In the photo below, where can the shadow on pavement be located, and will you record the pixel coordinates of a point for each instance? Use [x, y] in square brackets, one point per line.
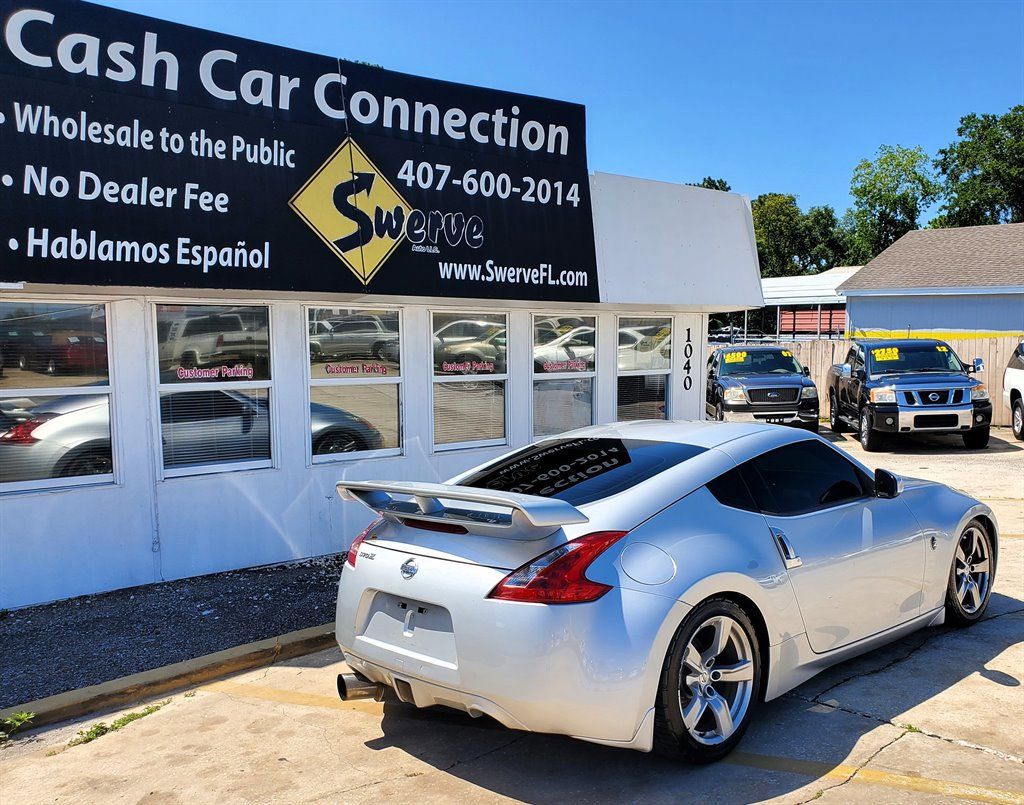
[792, 741]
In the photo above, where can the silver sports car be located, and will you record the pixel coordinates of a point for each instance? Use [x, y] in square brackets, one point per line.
[648, 584]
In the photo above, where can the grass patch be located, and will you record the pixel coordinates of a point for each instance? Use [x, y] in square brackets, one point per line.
[12, 724]
[911, 728]
[100, 728]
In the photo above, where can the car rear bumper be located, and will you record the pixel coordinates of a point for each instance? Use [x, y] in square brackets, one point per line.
[586, 670]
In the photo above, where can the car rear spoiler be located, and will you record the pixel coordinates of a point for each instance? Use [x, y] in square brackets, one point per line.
[529, 516]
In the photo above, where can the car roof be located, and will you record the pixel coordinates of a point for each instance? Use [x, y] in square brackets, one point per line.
[706, 434]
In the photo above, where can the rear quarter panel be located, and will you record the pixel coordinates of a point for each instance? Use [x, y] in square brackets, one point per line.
[943, 514]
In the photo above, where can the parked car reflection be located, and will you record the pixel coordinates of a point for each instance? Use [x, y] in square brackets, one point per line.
[470, 347]
[63, 437]
[226, 338]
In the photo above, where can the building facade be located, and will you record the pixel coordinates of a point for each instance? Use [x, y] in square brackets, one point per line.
[171, 409]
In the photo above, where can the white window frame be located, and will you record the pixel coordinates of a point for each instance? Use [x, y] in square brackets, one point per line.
[164, 472]
[646, 372]
[311, 383]
[535, 376]
[107, 478]
[436, 378]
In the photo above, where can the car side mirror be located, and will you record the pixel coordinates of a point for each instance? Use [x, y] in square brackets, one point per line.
[846, 370]
[807, 371]
[887, 484]
[978, 365]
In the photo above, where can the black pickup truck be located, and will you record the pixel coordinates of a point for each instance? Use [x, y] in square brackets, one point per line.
[916, 385]
[760, 384]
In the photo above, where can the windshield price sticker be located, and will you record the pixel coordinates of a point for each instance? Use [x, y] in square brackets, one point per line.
[735, 357]
[886, 354]
[787, 354]
[940, 348]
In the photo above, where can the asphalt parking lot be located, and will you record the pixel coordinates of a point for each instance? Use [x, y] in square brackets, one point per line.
[934, 717]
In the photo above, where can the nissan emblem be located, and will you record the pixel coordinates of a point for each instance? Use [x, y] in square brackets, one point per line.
[409, 568]
[934, 396]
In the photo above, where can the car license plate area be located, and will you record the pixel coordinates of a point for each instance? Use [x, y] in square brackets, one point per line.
[410, 627]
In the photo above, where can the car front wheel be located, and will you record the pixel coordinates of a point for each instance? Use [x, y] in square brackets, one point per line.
[870, 439]
[710, 684]
[970, 577]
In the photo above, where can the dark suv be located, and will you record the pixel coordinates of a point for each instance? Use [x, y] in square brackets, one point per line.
[761, 384]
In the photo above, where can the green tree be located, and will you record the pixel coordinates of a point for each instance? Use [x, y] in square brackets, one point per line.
[790, 241]
[889, 196]
[983, 171]
[712, 184]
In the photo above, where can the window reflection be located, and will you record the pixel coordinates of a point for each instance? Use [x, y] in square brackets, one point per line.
[348, 342]
[221, 343]
[644, 344]
[48, 345]
[352, 418]
[468, 344]
[54, 437]
[564, 344]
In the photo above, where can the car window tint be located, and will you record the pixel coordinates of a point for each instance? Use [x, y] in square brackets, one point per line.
[802, 477]
[582, 470]
[730, 489]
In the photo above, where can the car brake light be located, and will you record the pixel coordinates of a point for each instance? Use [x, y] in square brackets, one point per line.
[559, 576]
[353, 549]
[428, 525]
[22, 432]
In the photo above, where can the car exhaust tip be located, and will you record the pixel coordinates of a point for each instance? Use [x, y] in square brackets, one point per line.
[355, 686]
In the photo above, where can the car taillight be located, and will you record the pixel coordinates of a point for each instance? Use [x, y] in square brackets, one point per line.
[22, 432]
[559, 576]
[353, 549]
[219, 342]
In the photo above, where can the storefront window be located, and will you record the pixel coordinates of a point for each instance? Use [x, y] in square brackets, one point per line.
[54, 395]
[470, 373]
[644, 364]
[214, 386]
[564, 360]
[355, 381]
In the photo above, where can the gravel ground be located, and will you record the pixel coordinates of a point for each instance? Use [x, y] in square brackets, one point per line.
[84, 641]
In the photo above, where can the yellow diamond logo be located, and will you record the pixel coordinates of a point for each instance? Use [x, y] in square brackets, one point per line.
[354, 209]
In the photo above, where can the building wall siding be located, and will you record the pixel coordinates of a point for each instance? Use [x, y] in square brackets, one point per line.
[936, 316]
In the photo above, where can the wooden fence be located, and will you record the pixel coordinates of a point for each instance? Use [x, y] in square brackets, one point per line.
[819, 355]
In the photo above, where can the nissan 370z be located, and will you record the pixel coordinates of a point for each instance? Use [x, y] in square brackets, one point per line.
[647, 585]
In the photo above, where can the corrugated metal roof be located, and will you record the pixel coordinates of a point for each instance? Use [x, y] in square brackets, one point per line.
[968, 257]
[807, 289]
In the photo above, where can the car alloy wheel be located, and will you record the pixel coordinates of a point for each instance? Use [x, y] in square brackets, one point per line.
[1018, 419]
[972, 571]
[716, 680]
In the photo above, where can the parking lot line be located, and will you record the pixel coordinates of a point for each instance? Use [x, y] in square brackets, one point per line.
[925, 785]
[814, 769]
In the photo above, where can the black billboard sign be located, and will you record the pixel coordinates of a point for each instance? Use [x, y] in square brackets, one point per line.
[143, 153]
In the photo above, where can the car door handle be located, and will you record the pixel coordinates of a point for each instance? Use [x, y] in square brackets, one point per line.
[789, 555]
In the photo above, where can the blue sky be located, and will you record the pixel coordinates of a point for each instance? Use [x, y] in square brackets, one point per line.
[773, 96]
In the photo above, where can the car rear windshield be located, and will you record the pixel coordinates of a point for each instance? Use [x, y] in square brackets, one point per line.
[926, 357]
[759, 362]
[581, 471]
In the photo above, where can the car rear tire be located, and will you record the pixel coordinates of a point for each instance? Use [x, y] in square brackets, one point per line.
[701, 713]
[971, 575]
[835, 424]
[976, 438]
[1017, 419]
[339, 441]
[870, 439]
[813, 427]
